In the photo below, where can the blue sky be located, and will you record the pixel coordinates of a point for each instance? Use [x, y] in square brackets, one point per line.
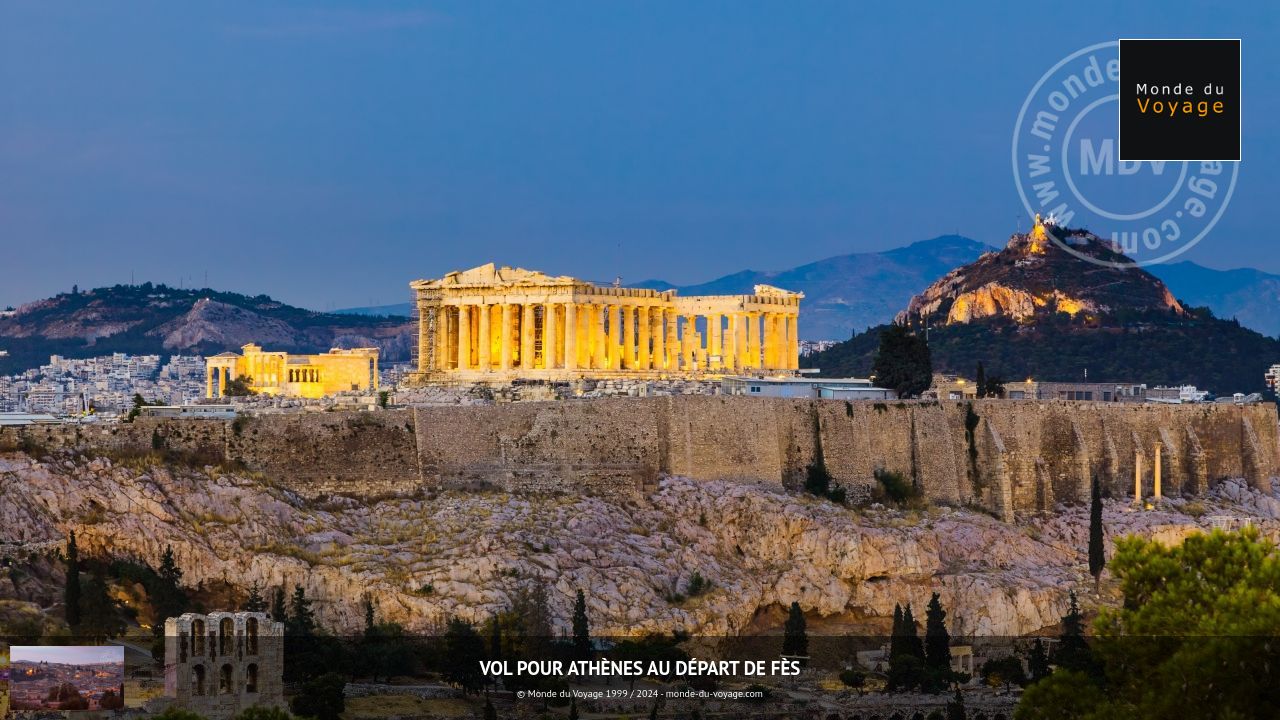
[328, 153]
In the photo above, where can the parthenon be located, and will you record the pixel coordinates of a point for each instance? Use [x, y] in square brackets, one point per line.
[497, 324]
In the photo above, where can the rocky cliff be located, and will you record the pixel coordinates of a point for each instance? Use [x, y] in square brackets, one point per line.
[432, 555]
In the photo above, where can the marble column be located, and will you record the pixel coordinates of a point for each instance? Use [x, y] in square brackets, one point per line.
[715, 344]
[570, 336]
[208, 381]
[550, 327]
[753, 340]
[729, 347]
[792, 341]
[769, 340]
[658, 330]
[642, 342]
[673, 340]
[444, 338]
[505, 339]
[599, 341]
[464, 337]
[614, 360]
[424, 320]
[528, 325]
[485, 340]
[628, 337]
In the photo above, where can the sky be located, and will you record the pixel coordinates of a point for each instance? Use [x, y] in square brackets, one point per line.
[68, 654]
[329, 153]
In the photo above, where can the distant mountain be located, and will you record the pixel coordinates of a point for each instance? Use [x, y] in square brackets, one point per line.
[155, 319]
[396, 310]
[849, 292]
[1034, 310]
[1248, 295]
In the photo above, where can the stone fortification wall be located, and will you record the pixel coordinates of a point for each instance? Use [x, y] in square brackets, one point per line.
[1008, 456]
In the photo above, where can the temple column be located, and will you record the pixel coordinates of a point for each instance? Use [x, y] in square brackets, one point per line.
[549, 327]
[658, 333]
[615, 337]
[642, 343]
[673, 340]
[570, 336]
[444, 338]
[527, 322]
[753, 340]
[768, 339]
[599, 341]
[424, 337]
[793, 341]
[464, 337]
[730, 345]
[223, 377]
[505, 339]
[208, 381]
[688, 338]
[715, 345]
[628, 337]
[484, 342]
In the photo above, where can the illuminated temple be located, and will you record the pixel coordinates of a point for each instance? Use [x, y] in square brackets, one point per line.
[280, 373]
[502, 324]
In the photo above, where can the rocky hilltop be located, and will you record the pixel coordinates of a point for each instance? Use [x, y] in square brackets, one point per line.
[428, 556]
[1033, 276]
[155, 319]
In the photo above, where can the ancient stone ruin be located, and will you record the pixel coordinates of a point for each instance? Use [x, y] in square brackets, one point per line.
[219, 664]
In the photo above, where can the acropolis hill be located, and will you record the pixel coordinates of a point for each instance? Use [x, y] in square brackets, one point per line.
[497, 324]
[1010, 457]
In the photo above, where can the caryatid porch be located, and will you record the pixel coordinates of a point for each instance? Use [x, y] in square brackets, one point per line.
[501, 324]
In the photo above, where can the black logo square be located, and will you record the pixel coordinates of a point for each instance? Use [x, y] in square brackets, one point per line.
[1179, 99]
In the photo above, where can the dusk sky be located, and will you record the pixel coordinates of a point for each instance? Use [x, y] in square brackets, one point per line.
[327, 154]
[67, 654]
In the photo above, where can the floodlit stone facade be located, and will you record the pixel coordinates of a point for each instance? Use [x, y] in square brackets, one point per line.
[281, 373]
[219, 664]
[498, 324]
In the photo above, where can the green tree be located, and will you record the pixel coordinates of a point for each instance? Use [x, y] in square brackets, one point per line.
[1193, 638]
[240, 386]
[1073, 652]
[795, 640]
[955, 708]
[581, 629]
[301, 621]
[278, 608]
[255, 602]
[1097, 551]
[99, 619]
[1037, 662]
[71, 592]
[1004, 671]
[173, 712]
[258, 712]
[321, 698]
[937, 646]
[464, 649]
[980, 381]
[903, 363]
[906, 654]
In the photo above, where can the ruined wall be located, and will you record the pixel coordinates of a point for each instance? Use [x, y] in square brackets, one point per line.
[1008, 456]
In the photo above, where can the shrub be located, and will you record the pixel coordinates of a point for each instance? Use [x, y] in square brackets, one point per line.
[895, 486]
[853, 678]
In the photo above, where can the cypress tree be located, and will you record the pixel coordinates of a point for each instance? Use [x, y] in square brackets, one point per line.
[495, 638]
[255, 602]
[278, 612]
[911, 634]
[795, 641]
[895, 639]
[302, 620]
[1097, 555]
[937, 645]
[581, 629]
[1038, 662]
[368, 615]
[981, 381]
[71, 595]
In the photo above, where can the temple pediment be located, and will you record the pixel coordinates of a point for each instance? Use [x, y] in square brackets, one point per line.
[490, 275]
[771, 291]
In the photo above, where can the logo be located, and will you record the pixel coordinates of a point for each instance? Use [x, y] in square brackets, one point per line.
[1067, 167]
